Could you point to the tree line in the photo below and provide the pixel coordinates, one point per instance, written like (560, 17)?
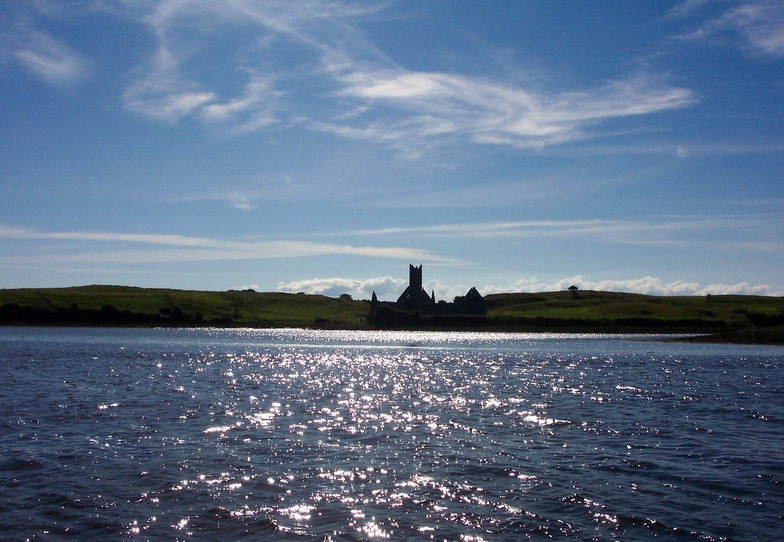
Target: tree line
(108, 315)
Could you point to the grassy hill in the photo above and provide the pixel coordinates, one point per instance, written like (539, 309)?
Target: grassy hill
(733, 310)
(247, 308)
(549, 311)
(725, 318)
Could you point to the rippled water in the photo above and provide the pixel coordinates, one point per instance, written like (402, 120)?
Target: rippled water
(309, 435)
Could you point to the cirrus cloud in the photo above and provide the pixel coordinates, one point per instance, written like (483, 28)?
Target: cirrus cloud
(180, 248)
(339, 81)
(47, 58)
(759, 26)
(365, 94)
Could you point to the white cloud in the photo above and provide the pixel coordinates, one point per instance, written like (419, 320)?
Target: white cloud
(371, 97)
(163, 93)
(388, 288)
(437, 105)
(756, 233)
(759, 234)
(759, 24)
(47, 58)
(194, 249)
(169, 92)
(253, 111)
(363, 93)
(241, 202)
(151, 239)
(686, 9)
(384, 287)
(645, 285)
(489, 229)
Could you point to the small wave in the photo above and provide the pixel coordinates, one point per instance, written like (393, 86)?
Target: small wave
(626, 523)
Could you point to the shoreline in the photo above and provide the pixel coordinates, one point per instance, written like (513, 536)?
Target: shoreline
(760, 337)
(730, 319)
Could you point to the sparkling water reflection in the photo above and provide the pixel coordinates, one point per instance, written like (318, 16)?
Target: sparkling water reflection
(297, 434)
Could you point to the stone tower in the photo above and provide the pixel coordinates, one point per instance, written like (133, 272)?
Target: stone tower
(415, 278)
(415, 297)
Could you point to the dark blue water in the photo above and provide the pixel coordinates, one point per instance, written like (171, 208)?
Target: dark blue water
(303, 435)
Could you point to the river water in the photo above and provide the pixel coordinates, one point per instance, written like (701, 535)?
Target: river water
(162, 434)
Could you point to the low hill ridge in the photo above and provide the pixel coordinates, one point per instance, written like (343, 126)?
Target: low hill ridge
(585, 311)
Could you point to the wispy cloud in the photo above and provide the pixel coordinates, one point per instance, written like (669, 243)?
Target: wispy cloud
(761, 24)
(163, 93)
(44, 56)
(150, 239)
(758, 24)
(365, 95)
(361, 92)
(752, 233)
(169, 90)
(435, 105)
(182, 248)
(686, 9)
(254, 110)
(241, 202)
(488, 229)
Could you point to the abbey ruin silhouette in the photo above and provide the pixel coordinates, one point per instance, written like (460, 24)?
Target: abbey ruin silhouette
(415, 298)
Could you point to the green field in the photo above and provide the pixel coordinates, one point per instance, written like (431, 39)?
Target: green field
(549, 311)
(733, 310)
(240, 308)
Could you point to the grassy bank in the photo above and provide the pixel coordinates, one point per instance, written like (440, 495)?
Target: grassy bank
(726, 311)
(231, 308)
(550, 311)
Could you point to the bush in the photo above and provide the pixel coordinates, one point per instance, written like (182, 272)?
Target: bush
(760, 319)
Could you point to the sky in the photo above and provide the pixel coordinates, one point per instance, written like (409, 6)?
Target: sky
(322, 146)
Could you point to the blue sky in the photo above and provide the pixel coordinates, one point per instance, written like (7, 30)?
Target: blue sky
(323, 145)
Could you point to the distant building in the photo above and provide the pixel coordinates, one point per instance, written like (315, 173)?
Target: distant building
(415, 298)
(474, 303)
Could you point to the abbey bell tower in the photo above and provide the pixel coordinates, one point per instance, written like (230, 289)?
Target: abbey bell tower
(415, 278)
(415, 298)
